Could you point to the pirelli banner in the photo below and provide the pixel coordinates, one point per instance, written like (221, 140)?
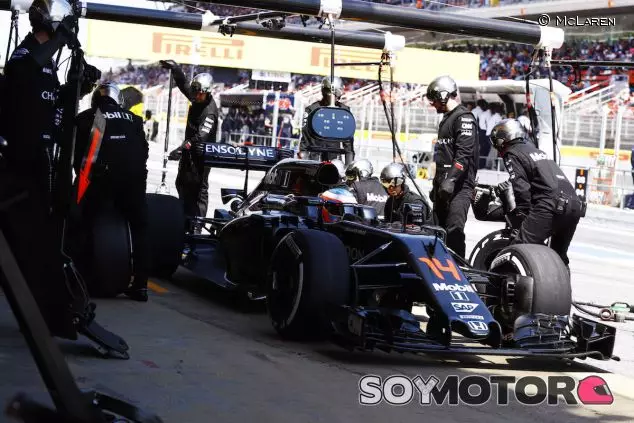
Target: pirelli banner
(153, 43)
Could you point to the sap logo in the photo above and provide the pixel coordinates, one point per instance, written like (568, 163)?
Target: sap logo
(464, 307)
(355, 253)
(478, 326)
(538, 156)
(376, 198)
(49, 96)
(455, 287)
(118, 115)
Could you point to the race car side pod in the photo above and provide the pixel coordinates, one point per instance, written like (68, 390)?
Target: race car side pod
(405, 17)
(210, 22)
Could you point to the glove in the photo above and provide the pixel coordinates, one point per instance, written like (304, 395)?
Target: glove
(446, 188)
(199, 149)
(175, 154)
(168, 64)
(505, 192)
(91, 73)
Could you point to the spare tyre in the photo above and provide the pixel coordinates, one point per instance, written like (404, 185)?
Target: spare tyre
(488, 248)
(165, 232)
(109, 259)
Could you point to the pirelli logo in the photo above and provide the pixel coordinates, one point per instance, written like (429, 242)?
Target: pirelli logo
(320, 57)
(204, 47)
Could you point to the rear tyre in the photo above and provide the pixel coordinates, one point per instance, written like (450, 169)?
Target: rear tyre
(545, 288)
(165, 232)
(111, 255)
(309, 274)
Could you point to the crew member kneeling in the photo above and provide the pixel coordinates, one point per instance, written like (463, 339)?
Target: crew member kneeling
(121, 173)
(538, 189)
(393, 180)
(367, 189)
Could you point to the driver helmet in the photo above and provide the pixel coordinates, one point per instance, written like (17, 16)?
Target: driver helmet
(46, 15)
(506, 131)
(393, 175)
(335, 204)
(202, 83)
(359, 169)
(109, 90)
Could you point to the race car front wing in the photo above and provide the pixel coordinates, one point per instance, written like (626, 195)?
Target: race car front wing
(362, 328)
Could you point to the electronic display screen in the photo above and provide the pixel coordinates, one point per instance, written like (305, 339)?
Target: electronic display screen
(333, 123)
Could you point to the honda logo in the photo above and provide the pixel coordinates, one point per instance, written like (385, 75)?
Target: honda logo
(478, 326)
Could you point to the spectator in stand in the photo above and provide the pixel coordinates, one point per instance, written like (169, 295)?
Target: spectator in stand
(482, 118)
(494, 119)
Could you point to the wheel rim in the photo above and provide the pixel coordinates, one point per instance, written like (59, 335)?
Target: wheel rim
(286, 293)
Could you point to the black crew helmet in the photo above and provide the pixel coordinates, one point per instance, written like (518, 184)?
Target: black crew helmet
(335, 87)
(46, 15)
(359, 169)
(506, 131)
(202, 83)
(442, 89)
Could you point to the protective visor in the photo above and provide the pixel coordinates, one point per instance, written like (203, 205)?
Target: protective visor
(394, 182)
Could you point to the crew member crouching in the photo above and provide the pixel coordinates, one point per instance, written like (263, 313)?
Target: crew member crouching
(367, 189)
(393, 180)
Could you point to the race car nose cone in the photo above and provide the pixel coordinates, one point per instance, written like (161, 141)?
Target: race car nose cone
(594, 390)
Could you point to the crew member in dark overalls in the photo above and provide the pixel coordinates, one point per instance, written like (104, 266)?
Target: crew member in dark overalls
(456, 157)
(192, 181)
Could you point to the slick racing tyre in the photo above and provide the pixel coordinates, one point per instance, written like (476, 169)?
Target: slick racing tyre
(166, 233)
(309, 273)
(545, 286)
(111, 255)
(488, 248)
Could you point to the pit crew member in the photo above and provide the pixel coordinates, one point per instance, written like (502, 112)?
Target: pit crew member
(307, 143)
(192, 180)
(122, 174)
(393, 180)
(31, 112)
(537, 190)
(456, 159)
(367, 189)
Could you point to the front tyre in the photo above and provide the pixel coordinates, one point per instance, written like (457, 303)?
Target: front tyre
(309, 274)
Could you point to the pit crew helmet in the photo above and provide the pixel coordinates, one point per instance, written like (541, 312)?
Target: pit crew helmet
(108, 89)
(202, 83)
(336, 87)
(441, 89)
(337, 202)
(506, 131)
(46, 15)
(359, 169)
(393, 175)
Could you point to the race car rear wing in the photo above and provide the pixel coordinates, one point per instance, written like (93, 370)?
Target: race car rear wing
(252, 157)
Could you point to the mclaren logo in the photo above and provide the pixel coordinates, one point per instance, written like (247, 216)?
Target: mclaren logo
(455, 287)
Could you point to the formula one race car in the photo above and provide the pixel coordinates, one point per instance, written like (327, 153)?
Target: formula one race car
(331, 268)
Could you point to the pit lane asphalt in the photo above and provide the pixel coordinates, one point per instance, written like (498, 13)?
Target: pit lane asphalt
(199, 355)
